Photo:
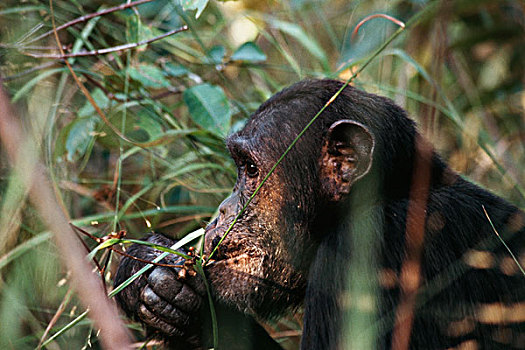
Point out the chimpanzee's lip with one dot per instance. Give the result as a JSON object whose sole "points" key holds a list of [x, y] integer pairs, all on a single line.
{"points": [[217, 256], [222, 255], [228, 258]]}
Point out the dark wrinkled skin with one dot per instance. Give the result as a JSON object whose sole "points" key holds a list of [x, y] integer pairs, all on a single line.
{"points": [[350, 174]]}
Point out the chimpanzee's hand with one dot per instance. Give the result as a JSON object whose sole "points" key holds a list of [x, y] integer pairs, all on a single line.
{"points": [[166, 301]]}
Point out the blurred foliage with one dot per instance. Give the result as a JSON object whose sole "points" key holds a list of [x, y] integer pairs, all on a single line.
{"points": [[158, 161]]}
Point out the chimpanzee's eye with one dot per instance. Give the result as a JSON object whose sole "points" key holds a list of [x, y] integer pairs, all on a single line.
{"points": [[251, 169]]}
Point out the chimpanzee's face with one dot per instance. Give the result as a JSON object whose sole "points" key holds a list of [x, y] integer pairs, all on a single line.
{"points": [[256, 267]]}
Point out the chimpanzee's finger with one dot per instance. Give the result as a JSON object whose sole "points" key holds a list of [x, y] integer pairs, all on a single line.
{"points": [[156, 323], [163, 282], [164, 309]]}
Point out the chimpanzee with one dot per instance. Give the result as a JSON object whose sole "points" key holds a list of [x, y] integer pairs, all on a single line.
{"points": [[360, 184]]}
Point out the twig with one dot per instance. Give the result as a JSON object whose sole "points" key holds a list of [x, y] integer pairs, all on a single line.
{"points": [[83, 191], [177, 266], [286, 334], [99, 268], [378, 15], [106, 50], [31, 47], [89, 16]]}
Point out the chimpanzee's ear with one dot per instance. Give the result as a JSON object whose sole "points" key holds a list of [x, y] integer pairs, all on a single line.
{"points": [[346, 157]]}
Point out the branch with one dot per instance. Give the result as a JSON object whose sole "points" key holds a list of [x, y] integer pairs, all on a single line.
{"points": [[89, 16], [106, 50]]}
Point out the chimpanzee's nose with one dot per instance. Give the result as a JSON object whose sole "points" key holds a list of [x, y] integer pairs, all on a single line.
{"points": [[216, 240], [228, 208]]}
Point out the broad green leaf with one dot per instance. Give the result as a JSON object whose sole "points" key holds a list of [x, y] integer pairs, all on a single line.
{"points": [[101, 100], [370, 37], [149, 76], [238, 125], [209, 108], [175, 70], [249, 52], [137, 31], [298, 33], [145, 129], [79, 136], [217, 54], [140, 127], [198, 5]]}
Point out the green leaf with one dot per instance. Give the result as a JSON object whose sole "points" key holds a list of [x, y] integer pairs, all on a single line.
{"points": [[145, 128], [298, 33], [137, 31], [249, 52], [175, 70], [141, 126], [217, 54], [101, 100], [149, 76], [193, 168], [79, 135], [108, 243], [209, 108], [370, 37], [198, 5]]}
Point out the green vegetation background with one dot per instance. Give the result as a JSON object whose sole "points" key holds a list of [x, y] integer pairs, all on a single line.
{"points": [[158, 161]]}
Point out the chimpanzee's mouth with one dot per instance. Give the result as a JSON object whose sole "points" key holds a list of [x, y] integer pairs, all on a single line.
{"points": [[230, 258], [221, 254], [227, 252]]}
